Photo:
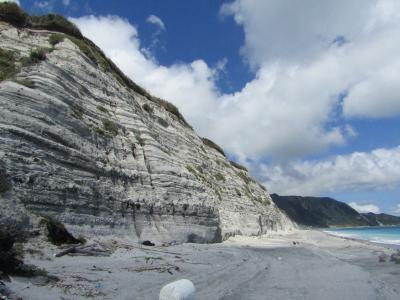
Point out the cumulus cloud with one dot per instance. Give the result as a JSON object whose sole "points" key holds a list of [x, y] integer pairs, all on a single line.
{"points": [[304, 36], [397, 209], [315, 62], [375, 170], [153, 19], [365, 208], [44, 5]]}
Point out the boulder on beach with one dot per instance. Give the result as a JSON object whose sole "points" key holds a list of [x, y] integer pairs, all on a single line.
{"points": [[178, 290]]}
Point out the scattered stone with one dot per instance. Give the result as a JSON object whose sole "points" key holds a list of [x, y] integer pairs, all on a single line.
{"points": [[4, 291], [147, 243], [395, 257], [383, 257]]}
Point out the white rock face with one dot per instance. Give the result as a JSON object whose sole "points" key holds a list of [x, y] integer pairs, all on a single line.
{"points": [[178, 290], [104, 159]]}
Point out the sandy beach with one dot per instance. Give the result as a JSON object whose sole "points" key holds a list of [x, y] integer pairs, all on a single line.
{"points": [[299, 265]]}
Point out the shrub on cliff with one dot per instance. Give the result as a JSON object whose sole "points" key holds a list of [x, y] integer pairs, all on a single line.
{"points": [[213, 145], [7, 64], [54, 22], [12, 13], [37, 55], [56, 38]]}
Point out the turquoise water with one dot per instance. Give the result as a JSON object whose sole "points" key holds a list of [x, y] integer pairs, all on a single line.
{"points": [[383, 235]]}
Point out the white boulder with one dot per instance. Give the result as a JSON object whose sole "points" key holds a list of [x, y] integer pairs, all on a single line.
{"points": [[178, 290]]}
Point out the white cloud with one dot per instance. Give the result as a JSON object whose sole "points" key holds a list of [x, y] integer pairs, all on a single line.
{"points": [[301, 35], [66, 2], [397, 209], [296, 32], [376, 170], [44, 5], [376, 96], [153, 19], [365, 208], [293, 107]]}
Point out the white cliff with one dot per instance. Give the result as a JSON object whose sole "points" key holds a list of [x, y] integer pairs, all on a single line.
{"points": [[79, 143]]}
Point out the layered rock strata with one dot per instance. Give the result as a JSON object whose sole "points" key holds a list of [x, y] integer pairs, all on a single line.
{"points": [[81, 146]]}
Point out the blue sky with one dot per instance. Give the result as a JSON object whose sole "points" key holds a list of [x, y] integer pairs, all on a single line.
{"points": [[305, 94]]}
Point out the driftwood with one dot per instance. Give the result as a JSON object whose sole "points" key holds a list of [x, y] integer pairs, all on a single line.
{"points": [[153, 249], [87, 250]]}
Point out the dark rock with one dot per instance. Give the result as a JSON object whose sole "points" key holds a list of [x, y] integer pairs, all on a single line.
{"points": [[148, 243], [395, 257], [4, 183], [4, 291], [6, 241], [57, 233], [383, 257]]}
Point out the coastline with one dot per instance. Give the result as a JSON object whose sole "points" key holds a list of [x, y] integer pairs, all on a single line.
{"points": [[303, 264], [361, 240]]}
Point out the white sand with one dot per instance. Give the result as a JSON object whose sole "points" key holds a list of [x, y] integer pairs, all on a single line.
{"points": [[319, 267]]}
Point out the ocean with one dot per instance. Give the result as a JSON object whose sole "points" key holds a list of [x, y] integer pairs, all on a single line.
{"points": [[382, 235]]}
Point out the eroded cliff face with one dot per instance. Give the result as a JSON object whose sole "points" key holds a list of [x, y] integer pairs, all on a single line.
{"points": [[80, 146]]}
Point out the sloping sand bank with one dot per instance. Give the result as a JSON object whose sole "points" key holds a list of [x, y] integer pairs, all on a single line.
{"points": [[316, 266]]}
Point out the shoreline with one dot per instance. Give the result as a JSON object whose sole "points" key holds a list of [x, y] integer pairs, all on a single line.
{"points": [[303, 264], [368, 242]]}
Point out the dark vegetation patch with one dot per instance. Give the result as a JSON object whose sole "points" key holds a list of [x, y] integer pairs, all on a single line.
{"points": [[238, 192], [57, 233], [11, 259], [219, 177], [245, 178], [54, 22], [213, 145], [200, 169], [10, 63], [162, 122], [26, 82], [56, 38], [102, 109], [13, 14], [148, 108], [37, 55], [262, 187], [191, 170], [4, 184], [110, 127], [7, 64], [77, 112], [238, 166]]}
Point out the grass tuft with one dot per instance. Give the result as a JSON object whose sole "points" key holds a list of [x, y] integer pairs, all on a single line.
{"points": [[238, 166], [7, 64], [56, 38], [102, 109], [213, 145], [110, 127], [26, 82], [37, 55]]}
